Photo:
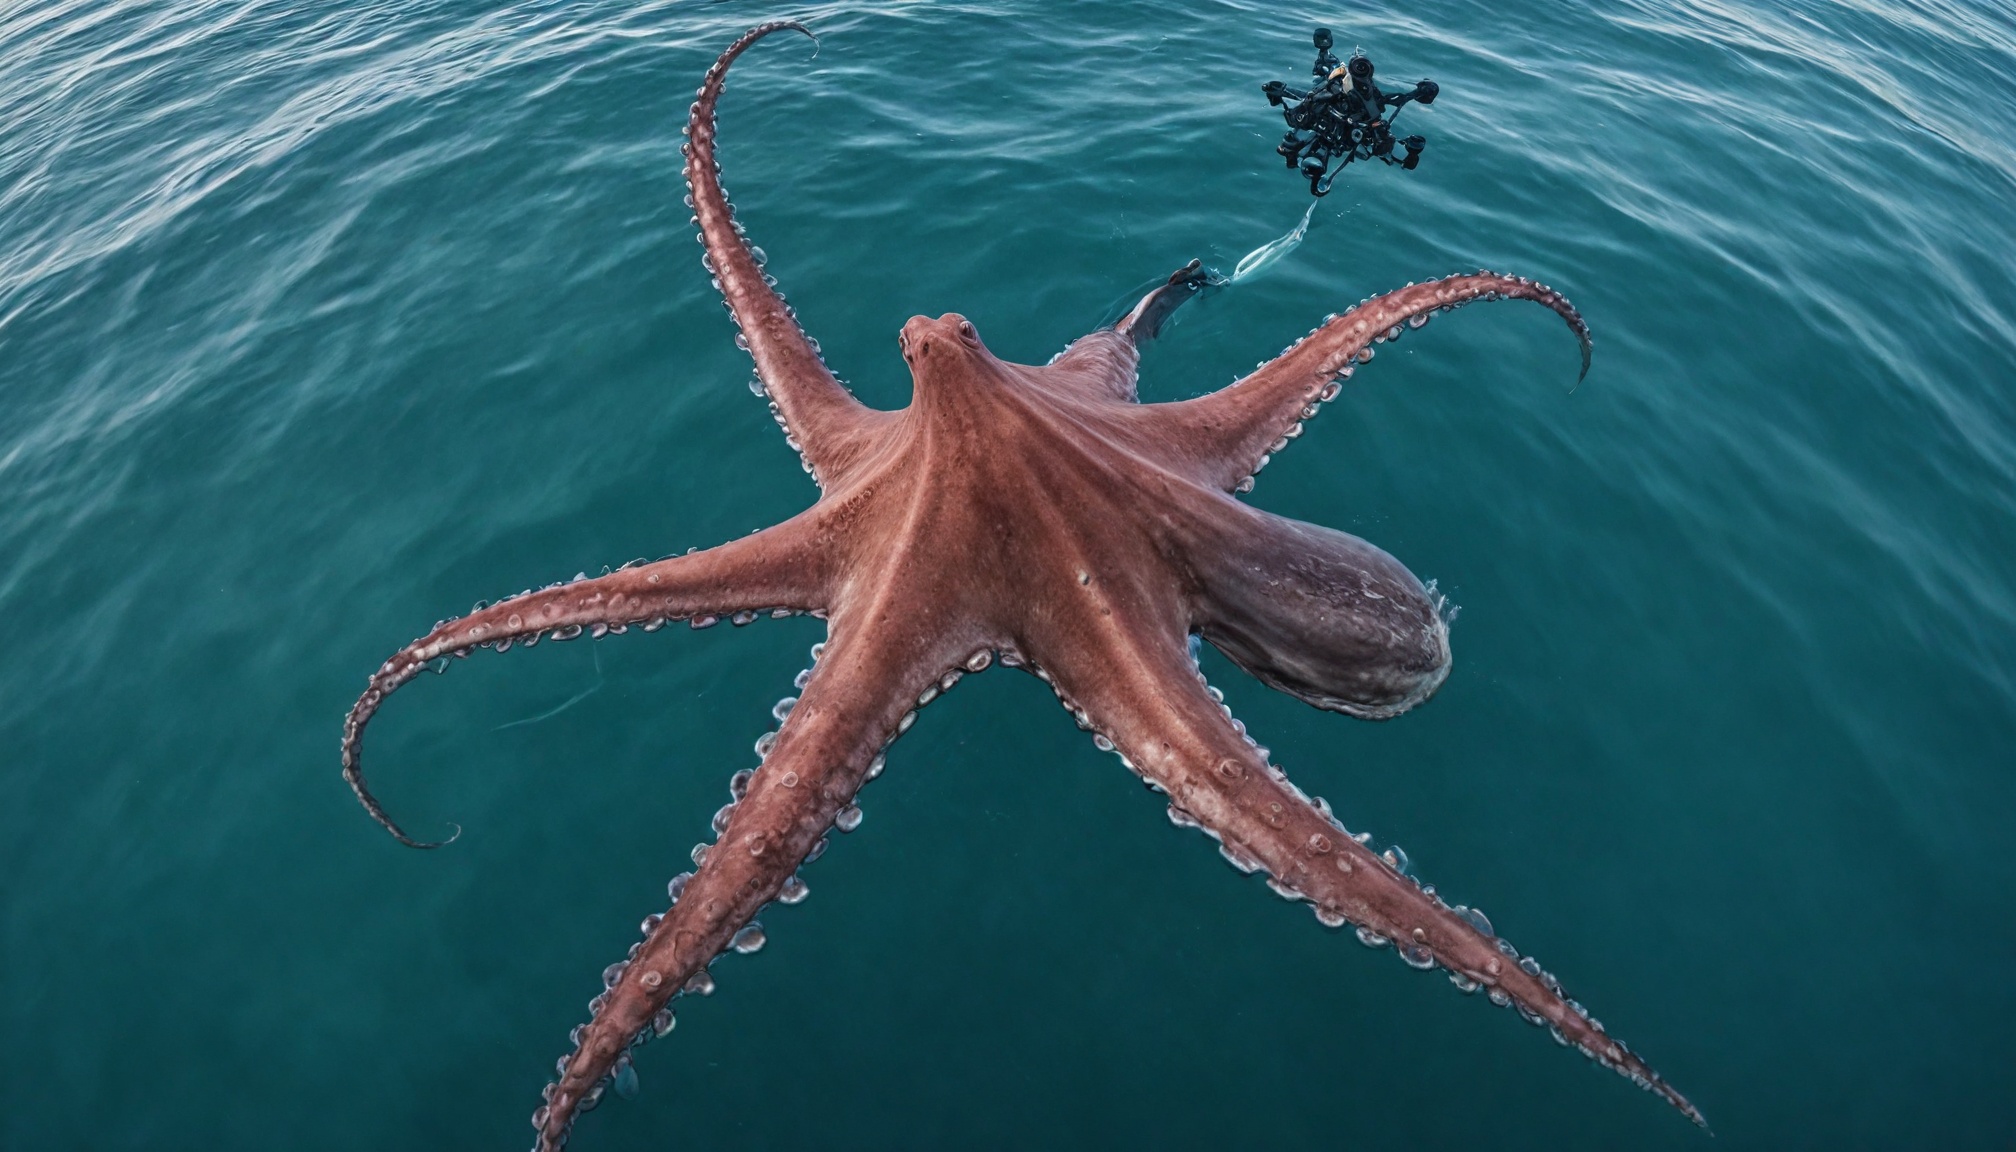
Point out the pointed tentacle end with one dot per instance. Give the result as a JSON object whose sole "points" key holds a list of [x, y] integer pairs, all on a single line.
{"points": [[649, 595], [395, 672]]}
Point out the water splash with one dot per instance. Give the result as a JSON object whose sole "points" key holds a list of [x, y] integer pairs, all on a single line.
{"points": [[1271, 253]]}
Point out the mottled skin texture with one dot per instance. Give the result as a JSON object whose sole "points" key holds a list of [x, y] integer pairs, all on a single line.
{"points": [[1041, 516]]}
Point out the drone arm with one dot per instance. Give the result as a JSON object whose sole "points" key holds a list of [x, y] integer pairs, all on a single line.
{"points": [[1277, 93]]}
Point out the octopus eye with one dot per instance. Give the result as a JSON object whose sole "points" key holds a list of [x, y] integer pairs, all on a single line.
{"points": [[903, 343], [966, 329]]}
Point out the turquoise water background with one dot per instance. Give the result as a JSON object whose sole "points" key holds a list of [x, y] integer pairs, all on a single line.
{"points": [[319, 322]]}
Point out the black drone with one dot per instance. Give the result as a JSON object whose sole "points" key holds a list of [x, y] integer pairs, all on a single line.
{"points": [[1345, 117]]}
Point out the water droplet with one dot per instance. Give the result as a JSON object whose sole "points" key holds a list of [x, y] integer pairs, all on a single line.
{"points": [[626, 1078], [1476, 919], [1239, 858], [794, 891], [848, 818], [749, 939]]}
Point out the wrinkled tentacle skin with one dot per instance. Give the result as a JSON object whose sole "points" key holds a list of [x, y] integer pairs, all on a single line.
{"points": [[857, 701], [1223, 438], [780, 568], [820, 417], [1153, 707], [1106, 362]]}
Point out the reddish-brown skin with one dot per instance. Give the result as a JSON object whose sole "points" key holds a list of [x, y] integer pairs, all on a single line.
{"points": [[1043, 517]]}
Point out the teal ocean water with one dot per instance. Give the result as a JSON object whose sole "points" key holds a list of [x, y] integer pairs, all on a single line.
{"points": [[319, 322]]}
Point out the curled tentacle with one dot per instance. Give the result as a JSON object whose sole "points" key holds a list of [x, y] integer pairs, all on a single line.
{"points": [[1104, 363], [781, 568], [1154, 711], [1231, 432], [830, 743], [820, 417], [1317, 613]]}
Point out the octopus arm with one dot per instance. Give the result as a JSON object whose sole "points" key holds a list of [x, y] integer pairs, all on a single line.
{"points": [[1104, 363], [828, 426], [1158, 715], [780, 569], [857, 700], [1223, 438]]}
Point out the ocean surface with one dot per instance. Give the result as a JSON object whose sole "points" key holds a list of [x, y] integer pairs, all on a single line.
{"points": [[319, 322]]}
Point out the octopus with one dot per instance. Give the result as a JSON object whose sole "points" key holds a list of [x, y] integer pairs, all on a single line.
{"points": [[1039, 518]]}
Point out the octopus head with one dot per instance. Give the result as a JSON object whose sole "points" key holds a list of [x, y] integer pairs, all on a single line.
{"points": [[1325, 617], [936, 349]]}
